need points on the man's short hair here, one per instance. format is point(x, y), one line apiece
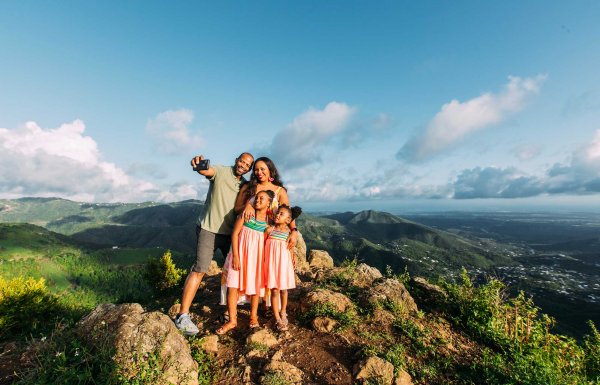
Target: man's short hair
point(246, 153)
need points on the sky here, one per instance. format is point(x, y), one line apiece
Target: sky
point(397, 105)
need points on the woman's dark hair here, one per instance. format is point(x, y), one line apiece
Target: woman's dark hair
point(251, 191)
point(294, 211)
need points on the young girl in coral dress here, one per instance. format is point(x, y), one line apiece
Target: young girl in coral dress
point(280, 263)
point(245, 272)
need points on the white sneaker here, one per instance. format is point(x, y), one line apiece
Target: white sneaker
point(185, 325)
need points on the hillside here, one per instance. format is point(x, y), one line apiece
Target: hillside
point(348, 325)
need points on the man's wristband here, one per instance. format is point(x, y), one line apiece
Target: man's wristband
point(293, 229)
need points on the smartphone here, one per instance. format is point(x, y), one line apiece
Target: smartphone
point(204, 164)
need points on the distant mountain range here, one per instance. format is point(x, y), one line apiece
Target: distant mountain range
point(378, 238)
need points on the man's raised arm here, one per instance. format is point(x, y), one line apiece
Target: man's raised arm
point(209, 173)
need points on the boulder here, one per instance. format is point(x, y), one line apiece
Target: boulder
point(174, 310)
point(134, 335)
point(319, 259)
point(288, 373)
point(392, 290)
point(403, 378)
point(340, 302)
point(324, 324)
point(429, 292)
point(374, 370)
point(210, 344)
point(262, 337)
point(302, 265)
point(365, 275)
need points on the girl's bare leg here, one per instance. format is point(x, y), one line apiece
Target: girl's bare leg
point(254, 310)
point(284, 302)
point(275, 303)
point(232, 300)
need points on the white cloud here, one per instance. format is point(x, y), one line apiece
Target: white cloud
point(64, 162)
point(171, 134)
point(579, 175)
point(298, 144)
point(456, 120)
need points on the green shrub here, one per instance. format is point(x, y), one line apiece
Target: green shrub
point(162, 274)
point(346, 319)
point(63, 359)
point(206, 362)
point(591, 347)
point(524, 351)
point(26, 306)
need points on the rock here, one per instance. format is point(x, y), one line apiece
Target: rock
point(206, 310)
point(382, 318)
point(430, 292)
point(246, 379)
point(365, 275)
point(278, 356)
point(324, 324)
point(320, 259)
point(374, 370)
point(302, 265)
point(214, 269)
point(403, 378)
point(174, 310)
point(340, 302)
point(287, 372)
point(392, 290)
point(210, 344)
point(262, 337)
point(135, 334)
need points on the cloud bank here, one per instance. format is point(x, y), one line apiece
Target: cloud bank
point(171, 134)
point(457, 120)
point(64, 162)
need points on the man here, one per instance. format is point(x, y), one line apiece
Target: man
point(215, 225)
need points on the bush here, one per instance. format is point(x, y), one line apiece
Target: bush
point(26, 306)
point(162, 274)
point(64, 359)
point(591, 347)
point(523, 349)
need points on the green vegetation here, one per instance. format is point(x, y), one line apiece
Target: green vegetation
point(274, 379)
point(346, 319)
point(520, 347)
point(206, 362)
point(26, 306)
point(61, 358)
point(41, 271)
point(162, 274)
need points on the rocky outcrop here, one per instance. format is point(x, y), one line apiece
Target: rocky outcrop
point(262, 337)
point(393, 291)
point(320, 259)
point(366, 275)
point(340, 302)
point(374, 370)
point(135, 336)
point(302, 265)
point(324, 324)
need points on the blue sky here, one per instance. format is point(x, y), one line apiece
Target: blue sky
point(361, 104)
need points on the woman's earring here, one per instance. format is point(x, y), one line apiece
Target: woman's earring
point(271, 179)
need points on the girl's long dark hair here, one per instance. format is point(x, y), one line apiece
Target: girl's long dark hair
point(251, 191)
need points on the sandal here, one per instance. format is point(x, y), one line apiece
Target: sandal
point(224, 317)
point(254, 323)
point(284, 319)
point(226, 328)
point(282, 326)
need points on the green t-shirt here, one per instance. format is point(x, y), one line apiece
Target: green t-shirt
point(218, 215)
